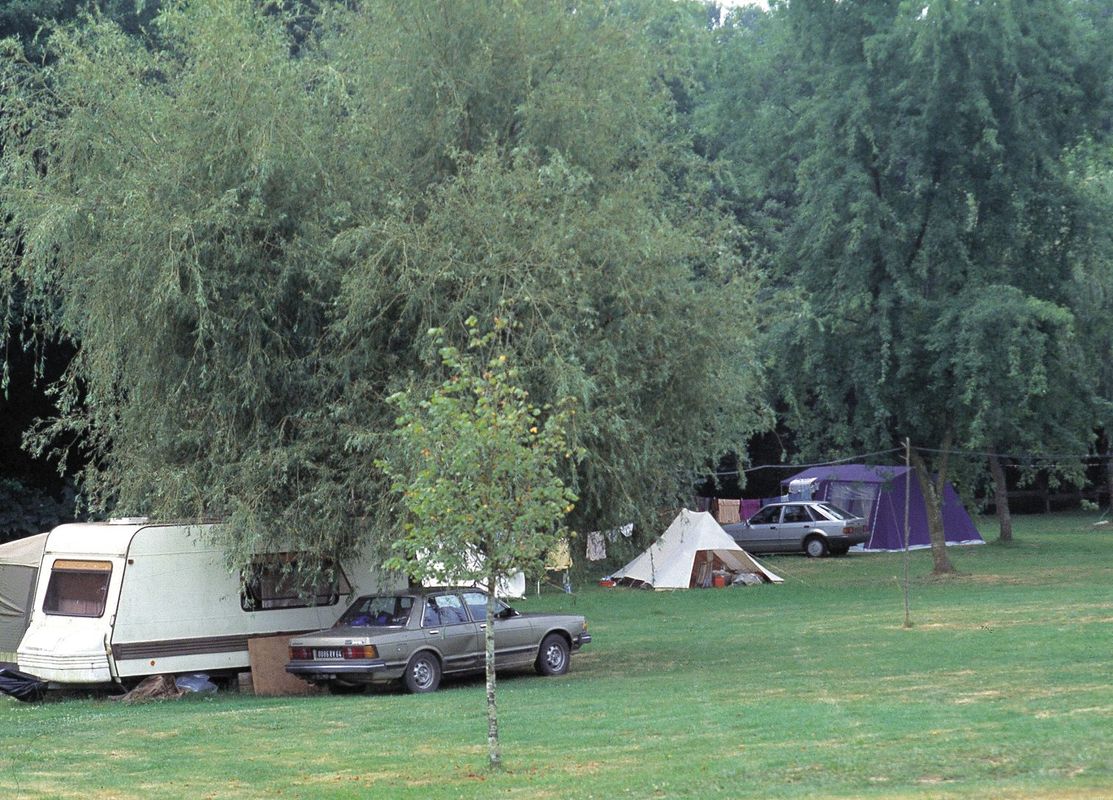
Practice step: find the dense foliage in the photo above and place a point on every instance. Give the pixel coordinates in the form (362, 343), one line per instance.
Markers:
(243, 216)
(246, 241)
(928, 233)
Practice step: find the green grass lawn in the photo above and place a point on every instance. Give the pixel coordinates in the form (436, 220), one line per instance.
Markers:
(809, 689)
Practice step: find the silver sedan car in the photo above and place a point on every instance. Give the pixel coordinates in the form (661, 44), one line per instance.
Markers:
(418, 635)
(812, 527)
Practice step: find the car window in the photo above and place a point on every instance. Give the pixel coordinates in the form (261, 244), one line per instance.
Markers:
(477, 605)
(796, 514)
(766, 516)
(443, 609)
(834, 511)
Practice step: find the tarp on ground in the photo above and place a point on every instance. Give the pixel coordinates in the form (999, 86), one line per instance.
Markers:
(21, 686)
(693, 547)
(19, 567)
(878, 494)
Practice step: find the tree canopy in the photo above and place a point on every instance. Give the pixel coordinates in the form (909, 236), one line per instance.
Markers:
(244, 220)
(926, 262)
(246, 242)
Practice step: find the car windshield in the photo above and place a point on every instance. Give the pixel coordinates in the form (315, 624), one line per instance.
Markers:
(833, 511)
(377, 611)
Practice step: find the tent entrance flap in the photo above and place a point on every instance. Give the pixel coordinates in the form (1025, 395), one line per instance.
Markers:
(19, 569)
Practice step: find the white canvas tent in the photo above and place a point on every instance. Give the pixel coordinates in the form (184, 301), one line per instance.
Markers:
(19, 566)
(688, 553)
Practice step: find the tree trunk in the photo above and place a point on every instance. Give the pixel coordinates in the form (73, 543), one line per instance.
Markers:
(932, 490)
(1108, 471)
(1001, 499)
(494, 752)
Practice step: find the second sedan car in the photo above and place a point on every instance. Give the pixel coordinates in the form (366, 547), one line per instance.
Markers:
(419, 635)
(811, 527)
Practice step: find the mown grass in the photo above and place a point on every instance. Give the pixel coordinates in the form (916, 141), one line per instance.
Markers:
(810, 689)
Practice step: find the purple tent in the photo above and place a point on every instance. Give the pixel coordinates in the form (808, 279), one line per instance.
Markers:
(877, 493)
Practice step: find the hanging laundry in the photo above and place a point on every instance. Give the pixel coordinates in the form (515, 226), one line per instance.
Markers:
(596, 546)
(749, 507)
(727, 511)
(626, 530)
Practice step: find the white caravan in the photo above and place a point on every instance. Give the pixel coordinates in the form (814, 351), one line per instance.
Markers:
(120, 600)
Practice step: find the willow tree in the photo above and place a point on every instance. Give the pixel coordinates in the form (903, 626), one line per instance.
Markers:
(246, 242)
(932, 215)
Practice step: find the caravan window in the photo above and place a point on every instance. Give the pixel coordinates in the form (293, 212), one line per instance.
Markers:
(77, 588)
(272, 582)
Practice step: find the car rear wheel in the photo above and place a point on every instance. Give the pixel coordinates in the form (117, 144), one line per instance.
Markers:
(423, 674)
(552, 658)
(815, 547)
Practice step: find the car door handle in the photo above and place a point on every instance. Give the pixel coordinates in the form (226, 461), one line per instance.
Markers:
(433, 632)
(482, 626)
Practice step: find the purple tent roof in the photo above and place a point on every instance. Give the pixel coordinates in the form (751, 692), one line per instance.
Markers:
(857, 473)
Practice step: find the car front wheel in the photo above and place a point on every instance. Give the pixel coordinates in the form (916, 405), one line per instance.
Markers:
(552, 659)
(815, 547)
(423, 674)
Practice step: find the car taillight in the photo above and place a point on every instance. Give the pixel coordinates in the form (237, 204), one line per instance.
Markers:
(301, 654)
(361, 651)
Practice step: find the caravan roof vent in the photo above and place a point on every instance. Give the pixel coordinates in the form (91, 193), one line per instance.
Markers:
(128, 521)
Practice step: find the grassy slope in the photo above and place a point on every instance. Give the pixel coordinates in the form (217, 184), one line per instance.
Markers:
(810, 689)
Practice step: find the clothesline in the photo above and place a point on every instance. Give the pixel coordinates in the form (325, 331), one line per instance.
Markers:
(1037, 460)
(847, 460)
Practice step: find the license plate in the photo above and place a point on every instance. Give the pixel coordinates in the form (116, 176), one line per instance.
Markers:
(333, 653)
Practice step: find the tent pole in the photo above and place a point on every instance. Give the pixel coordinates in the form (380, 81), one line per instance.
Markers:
(907, 491)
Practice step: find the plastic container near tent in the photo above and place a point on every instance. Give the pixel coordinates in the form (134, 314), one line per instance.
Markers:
(19, 569)
(878, 494)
